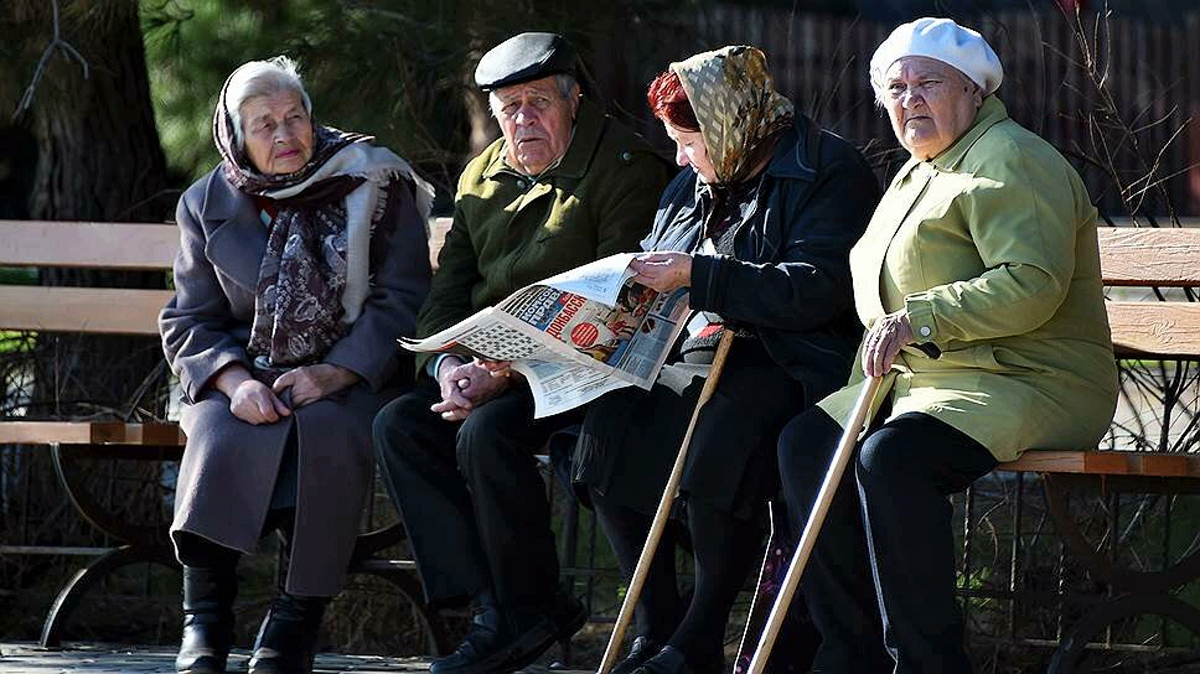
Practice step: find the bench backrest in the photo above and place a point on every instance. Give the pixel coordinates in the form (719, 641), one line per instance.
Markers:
(99, 246)
(1163, 258)
(1153, 258)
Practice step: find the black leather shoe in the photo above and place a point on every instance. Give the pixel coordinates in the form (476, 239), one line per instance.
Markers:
(504, 641)
(670, 660)
(286, 642)
(566, 616)
(208, 596)
(643, 649)
(483, 638)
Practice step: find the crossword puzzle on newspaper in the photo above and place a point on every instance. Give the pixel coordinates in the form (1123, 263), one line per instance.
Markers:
(500, 342)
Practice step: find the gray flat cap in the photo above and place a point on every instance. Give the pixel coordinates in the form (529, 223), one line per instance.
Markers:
(524, 57)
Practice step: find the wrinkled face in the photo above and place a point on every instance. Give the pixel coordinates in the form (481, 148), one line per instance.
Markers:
(278, 132)
(536, 122)
(690, 150)
(930, 104)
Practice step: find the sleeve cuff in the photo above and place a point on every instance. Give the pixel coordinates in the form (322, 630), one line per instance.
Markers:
(194, 383)
(920, 317)
(705, 269)
(434, 364)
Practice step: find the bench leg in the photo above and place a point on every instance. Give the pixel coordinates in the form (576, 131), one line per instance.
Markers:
(437, 641)
(91, 510)
(1090, 629)
(1138, 592)
(83, 580)
(1058, 489)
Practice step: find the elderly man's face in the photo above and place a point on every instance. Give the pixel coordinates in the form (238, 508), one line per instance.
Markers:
(278, 133)
(930, 104)
(536, 122)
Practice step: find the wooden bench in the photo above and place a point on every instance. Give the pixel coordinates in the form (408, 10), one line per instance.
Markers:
(1158, 258)
(126, 311)
(1153, 330)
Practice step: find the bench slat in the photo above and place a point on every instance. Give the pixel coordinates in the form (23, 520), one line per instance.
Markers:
(92, 310)
(94, 245)
(1168, 330)
(1150, 257)
(1106, 462)
(90, 433)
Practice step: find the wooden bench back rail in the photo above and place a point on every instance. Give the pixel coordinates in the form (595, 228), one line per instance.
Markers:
(1150, 258)
(97, 245)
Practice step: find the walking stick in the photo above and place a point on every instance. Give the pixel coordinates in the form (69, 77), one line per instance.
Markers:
(663, 512)
(808, 539)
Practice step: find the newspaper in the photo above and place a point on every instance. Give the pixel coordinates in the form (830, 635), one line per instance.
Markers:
(574, 336)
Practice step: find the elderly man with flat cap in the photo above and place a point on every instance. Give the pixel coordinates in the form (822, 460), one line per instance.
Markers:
(564, 186)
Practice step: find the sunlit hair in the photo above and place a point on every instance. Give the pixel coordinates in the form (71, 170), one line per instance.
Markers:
(261, 78)
(669, 102)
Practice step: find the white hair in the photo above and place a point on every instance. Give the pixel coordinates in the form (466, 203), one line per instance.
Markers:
(566, 87)
(261, 78)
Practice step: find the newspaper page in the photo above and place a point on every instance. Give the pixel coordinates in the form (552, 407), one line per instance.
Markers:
(574, 336)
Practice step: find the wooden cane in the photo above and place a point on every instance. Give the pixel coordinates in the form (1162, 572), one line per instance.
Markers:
(808, 539)
(663, 512)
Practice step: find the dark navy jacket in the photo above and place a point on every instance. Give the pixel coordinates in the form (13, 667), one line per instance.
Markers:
(789, 279)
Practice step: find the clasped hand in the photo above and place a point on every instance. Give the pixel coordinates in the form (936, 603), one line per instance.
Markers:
(255, 403)
(465, 386)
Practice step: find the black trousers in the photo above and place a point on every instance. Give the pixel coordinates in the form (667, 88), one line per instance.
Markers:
(889, 523)
(471, 496)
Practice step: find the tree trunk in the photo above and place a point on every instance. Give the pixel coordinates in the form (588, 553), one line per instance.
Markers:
(99, 158)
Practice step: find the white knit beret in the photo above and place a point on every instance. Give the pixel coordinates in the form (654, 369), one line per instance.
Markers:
(942, 40)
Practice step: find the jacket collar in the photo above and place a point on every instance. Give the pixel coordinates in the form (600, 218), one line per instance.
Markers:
(238, 238)
(992, 112)
(589, 124)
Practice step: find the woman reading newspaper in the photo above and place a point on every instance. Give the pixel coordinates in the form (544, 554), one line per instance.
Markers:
(758, 225)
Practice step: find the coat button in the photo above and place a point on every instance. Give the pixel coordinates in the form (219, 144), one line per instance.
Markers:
(521, 184)
(627, 157)
(925, 331)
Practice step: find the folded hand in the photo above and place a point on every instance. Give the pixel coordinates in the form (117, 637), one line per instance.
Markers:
(310, 383)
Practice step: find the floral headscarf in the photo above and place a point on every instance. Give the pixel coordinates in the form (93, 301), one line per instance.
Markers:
(734, 98)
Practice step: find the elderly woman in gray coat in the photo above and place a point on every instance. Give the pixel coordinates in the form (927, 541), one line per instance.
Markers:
(303, 257)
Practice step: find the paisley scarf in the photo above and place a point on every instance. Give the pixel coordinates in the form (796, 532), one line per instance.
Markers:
(315, 273)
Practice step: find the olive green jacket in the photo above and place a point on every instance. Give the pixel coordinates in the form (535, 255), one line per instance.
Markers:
(511, 230)
(991, 248)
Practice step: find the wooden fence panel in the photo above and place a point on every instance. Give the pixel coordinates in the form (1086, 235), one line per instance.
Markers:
(820, 62)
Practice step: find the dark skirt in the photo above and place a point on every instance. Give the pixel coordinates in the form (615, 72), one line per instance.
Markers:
(630, 438)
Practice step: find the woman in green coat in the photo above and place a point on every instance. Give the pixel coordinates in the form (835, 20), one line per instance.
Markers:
(978, 280)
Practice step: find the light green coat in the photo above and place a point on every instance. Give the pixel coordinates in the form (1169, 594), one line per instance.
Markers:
(991, 249)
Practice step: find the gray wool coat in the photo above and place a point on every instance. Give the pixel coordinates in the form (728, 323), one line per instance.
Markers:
(229, 467)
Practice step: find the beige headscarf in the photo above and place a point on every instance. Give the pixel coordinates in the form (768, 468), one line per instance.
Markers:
(734, 98)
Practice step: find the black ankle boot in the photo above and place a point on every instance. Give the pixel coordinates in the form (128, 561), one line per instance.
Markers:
(286, 642)
(208, 595)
